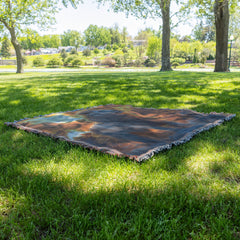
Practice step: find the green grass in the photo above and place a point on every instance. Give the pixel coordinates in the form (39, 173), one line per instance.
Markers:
(53, 190)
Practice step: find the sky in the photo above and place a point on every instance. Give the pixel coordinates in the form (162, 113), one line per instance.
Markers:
(88, 13)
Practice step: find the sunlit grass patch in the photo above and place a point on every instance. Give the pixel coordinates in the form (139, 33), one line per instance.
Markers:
(53, 190)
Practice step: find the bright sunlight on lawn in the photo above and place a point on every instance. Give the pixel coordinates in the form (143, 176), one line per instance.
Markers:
(53, 190)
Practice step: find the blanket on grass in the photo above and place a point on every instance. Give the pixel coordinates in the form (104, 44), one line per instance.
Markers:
(123, 130)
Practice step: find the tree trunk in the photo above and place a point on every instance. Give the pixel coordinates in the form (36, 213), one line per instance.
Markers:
(165, 8)
(17, 48)
(221, 12)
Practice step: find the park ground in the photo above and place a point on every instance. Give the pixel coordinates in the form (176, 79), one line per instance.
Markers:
(53, 190)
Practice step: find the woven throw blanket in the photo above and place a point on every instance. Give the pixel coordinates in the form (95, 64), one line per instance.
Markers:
(123, 130)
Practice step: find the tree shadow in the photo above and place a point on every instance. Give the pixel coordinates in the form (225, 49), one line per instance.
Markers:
(43, 203)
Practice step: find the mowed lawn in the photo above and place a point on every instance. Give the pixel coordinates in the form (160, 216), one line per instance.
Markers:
(53, 190)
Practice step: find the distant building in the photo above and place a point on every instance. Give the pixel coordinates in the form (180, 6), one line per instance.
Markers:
(67, 48)
(82, 48)
(137, 43)
(48, 50)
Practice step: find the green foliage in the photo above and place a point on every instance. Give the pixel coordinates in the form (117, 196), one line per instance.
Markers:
(178, 60)
(31, 40)
(234, 25)
(126, 59)
(74, 51)
(68, 60)
(97, 36)
(17, 14)
(115, 47)
(119, 60)
(97, 62)
(125, 50)
(109, 62)
(77, 62)
(73, 61)
(71, 38)
(96, 50)
(86, 52)
(192, 50)
(105, 51)
(205, 33)
(54, 62)
(138, 62)
(5, 49)
(145, 35)
(109, 47)
(115, 35)
(154, 48)
(51, 41)
(63, 54)
(38, 62)
(118, 52)
(150, 62)
(175, 64)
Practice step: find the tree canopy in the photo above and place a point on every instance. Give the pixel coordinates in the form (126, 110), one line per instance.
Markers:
(17, 15)
(97, 36)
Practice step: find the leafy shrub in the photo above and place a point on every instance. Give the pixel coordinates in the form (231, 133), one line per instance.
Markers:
(203, 59)
(109, 48)
(86, 52)
(138, 62)
(119, 60)
(150, 62)
(131, 46)
(73, 61)
(54, 62)
(178, 53)
(175, 64)
(130, 63)
(74, 51)
(109, 61)
(115, 46)
(125, 50)
(96, 50)
(118, 52)
(76, 62)
(63, 54)
(126, 59)
(97, 62)
(68, 60)
(105, 52)
(178, 60)
(38, 62)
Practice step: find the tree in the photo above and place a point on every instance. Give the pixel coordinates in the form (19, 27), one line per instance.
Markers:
(154, 48)
(205, 32)
(72, 38)
(115, 35)
(97, 36)
(144, 35)
(234, 25)
(31, 41)
(15, 15)
(51, 41)
(124, 35)
(144, 9)
(221, 10)
(5, 50)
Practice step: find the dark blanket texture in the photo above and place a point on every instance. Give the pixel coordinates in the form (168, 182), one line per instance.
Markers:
(123, 130)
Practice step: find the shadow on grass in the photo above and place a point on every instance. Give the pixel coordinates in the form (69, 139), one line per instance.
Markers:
(45, 201)
(43, 206)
